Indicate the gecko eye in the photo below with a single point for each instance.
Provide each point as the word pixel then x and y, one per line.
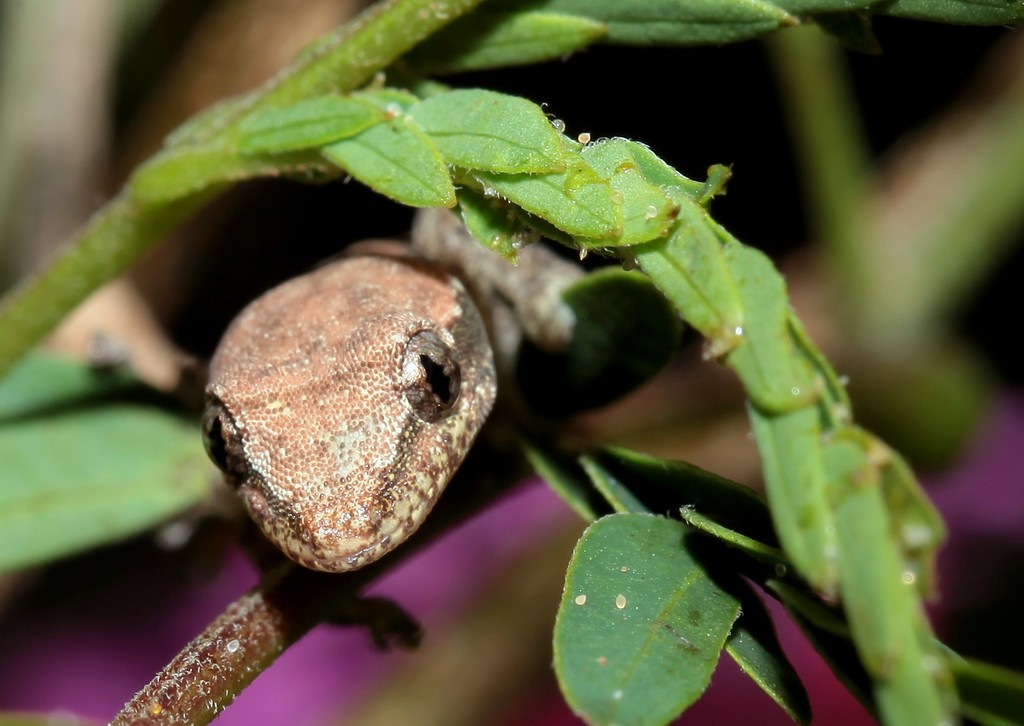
pixel 220 444
pixel 432 376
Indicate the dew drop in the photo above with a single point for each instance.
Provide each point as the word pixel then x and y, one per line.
pixel 780 569
pixel 738 331
pixel 795 390
pixel 583 254
pixel 908 577
pixel 233 646
pixel 651 212
pixel 580 600
pixel 559 125
pixel 620 601
pixel 617 695
pixel 584 138
pixel 616 196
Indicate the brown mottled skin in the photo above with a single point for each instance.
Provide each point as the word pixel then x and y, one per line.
pixel 341 402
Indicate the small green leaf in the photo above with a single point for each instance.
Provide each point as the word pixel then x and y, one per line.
pixel 307 124
pixel 485 39
pixel 647 211
pixel 577 200
pixel 641 623
pixel 991 695
pixel 689 267
pixel 794 473
pixel 665 486
pixel 87 470
pixel 853 30
pixel 398 160
pixel 659 173
pixel 478 129
pixel 756 650
pixel 615 492
pixel 625 332
pixel 772 556
pixel 491 222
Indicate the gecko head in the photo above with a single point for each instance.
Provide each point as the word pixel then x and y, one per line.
pixel 340 414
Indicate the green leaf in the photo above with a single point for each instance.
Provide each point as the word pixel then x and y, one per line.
pixel 919 526
pixel 764 356
pixel 991 695
pixel 565 477
pixel 625 332
pixel 479 129
pixel 577 200
pixel 486 39
pixel 647 211
pixel 665 486
pixel 669 22
pixel 89 469
pixel 307 124
pixel 767 554
pixel 964 12
pixel 641 623
pixel 491 222
pixel 853 30
pixel 689 267
pixel 659 173
pixel 398 160
pixel 756 650
pixel 615 492
pixel 876 601
pixel 794 473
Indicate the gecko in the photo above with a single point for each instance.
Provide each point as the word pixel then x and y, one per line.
pixel 341 402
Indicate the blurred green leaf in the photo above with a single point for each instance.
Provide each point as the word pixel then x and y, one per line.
pixel 795 481
pixel 397 159
pixel 964 12
pixel 755 647
pixel 87 470
pixel 668 22
pixel 641 623
pixel 991 695
pixel 488 39
pixel 479 129
pixel 564 475
pixel 44 719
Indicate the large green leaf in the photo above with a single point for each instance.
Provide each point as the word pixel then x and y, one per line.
pixel 397 159
pixel 83 466
pixel 641 623
pixel 991 695
pixel 479 129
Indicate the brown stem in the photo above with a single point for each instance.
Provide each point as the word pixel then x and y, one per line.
pixel 255 629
